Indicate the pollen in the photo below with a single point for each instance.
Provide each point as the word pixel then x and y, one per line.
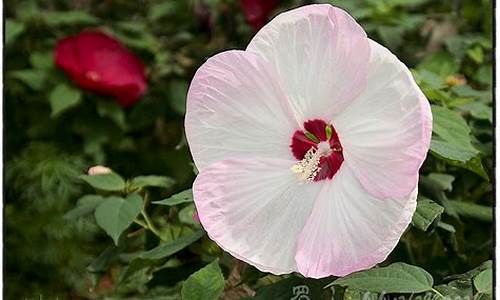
pixel 308 168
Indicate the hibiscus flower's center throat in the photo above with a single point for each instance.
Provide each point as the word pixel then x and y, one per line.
pixel 318 151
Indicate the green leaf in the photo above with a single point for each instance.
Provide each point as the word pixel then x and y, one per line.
pixel 451 127
pixel 35 79
pixel 151 180
pixel 84 206
pixel 115 214
pixel 62 98
pixel 175 246
pixel 472 210
pixel 395 278
pixel 65 18
pixel 13 29
pixel 427 211
pixel 484 282
pixel 205 284
pixel 105 182
pixel 478 110
pixel 182 197
pixel 453 141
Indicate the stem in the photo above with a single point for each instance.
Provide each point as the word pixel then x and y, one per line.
pixel 150 223
pixel 438 293
pixel 144 225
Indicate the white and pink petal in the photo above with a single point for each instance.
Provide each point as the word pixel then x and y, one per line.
pixel 255 209
pixel 236 107
pixel 349 230
pixel 321 55
pixel 385 132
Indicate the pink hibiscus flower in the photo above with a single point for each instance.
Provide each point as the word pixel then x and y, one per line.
pixel 308 144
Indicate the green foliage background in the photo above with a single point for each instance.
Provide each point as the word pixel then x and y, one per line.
pixel 54 132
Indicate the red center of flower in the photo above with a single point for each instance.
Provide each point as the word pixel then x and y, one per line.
pixel 317 140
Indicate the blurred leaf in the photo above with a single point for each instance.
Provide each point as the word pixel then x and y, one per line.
pixel 186 215
pixel 65 18
pixel 115 214
pixel 113 111
pixel 445 180
pixel 440 63
pixel 484 281
pixel 472 210
pixel 177 95
pixel 476 54
pixel 62 98
pixel 448 227
pixel 105 182
pixel 13 29
pixel 479 110
pixel 101 263
pixel 160 10
pixel 35 79
pixel 151 180
pixel 427 211
pixel 42 60
pixel 168 249
pixel 182 197
pixel 392 36
pixel 395 278
pixel 205 284
pixel 85 205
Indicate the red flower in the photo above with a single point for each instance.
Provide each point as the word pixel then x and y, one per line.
pixel 99 63
pixel 257 11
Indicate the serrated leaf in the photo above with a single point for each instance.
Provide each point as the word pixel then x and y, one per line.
pixel 450 126
pixel 205 284
pixel 62 98
pixel 395 278
pixel 13 29
pixel 182 197
pixel 484 281
pixel 151 180
pixel 115 214
pixel 105 182
pixel 85 205
pixel 453 143
pixel 170 248
pixel 427 211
